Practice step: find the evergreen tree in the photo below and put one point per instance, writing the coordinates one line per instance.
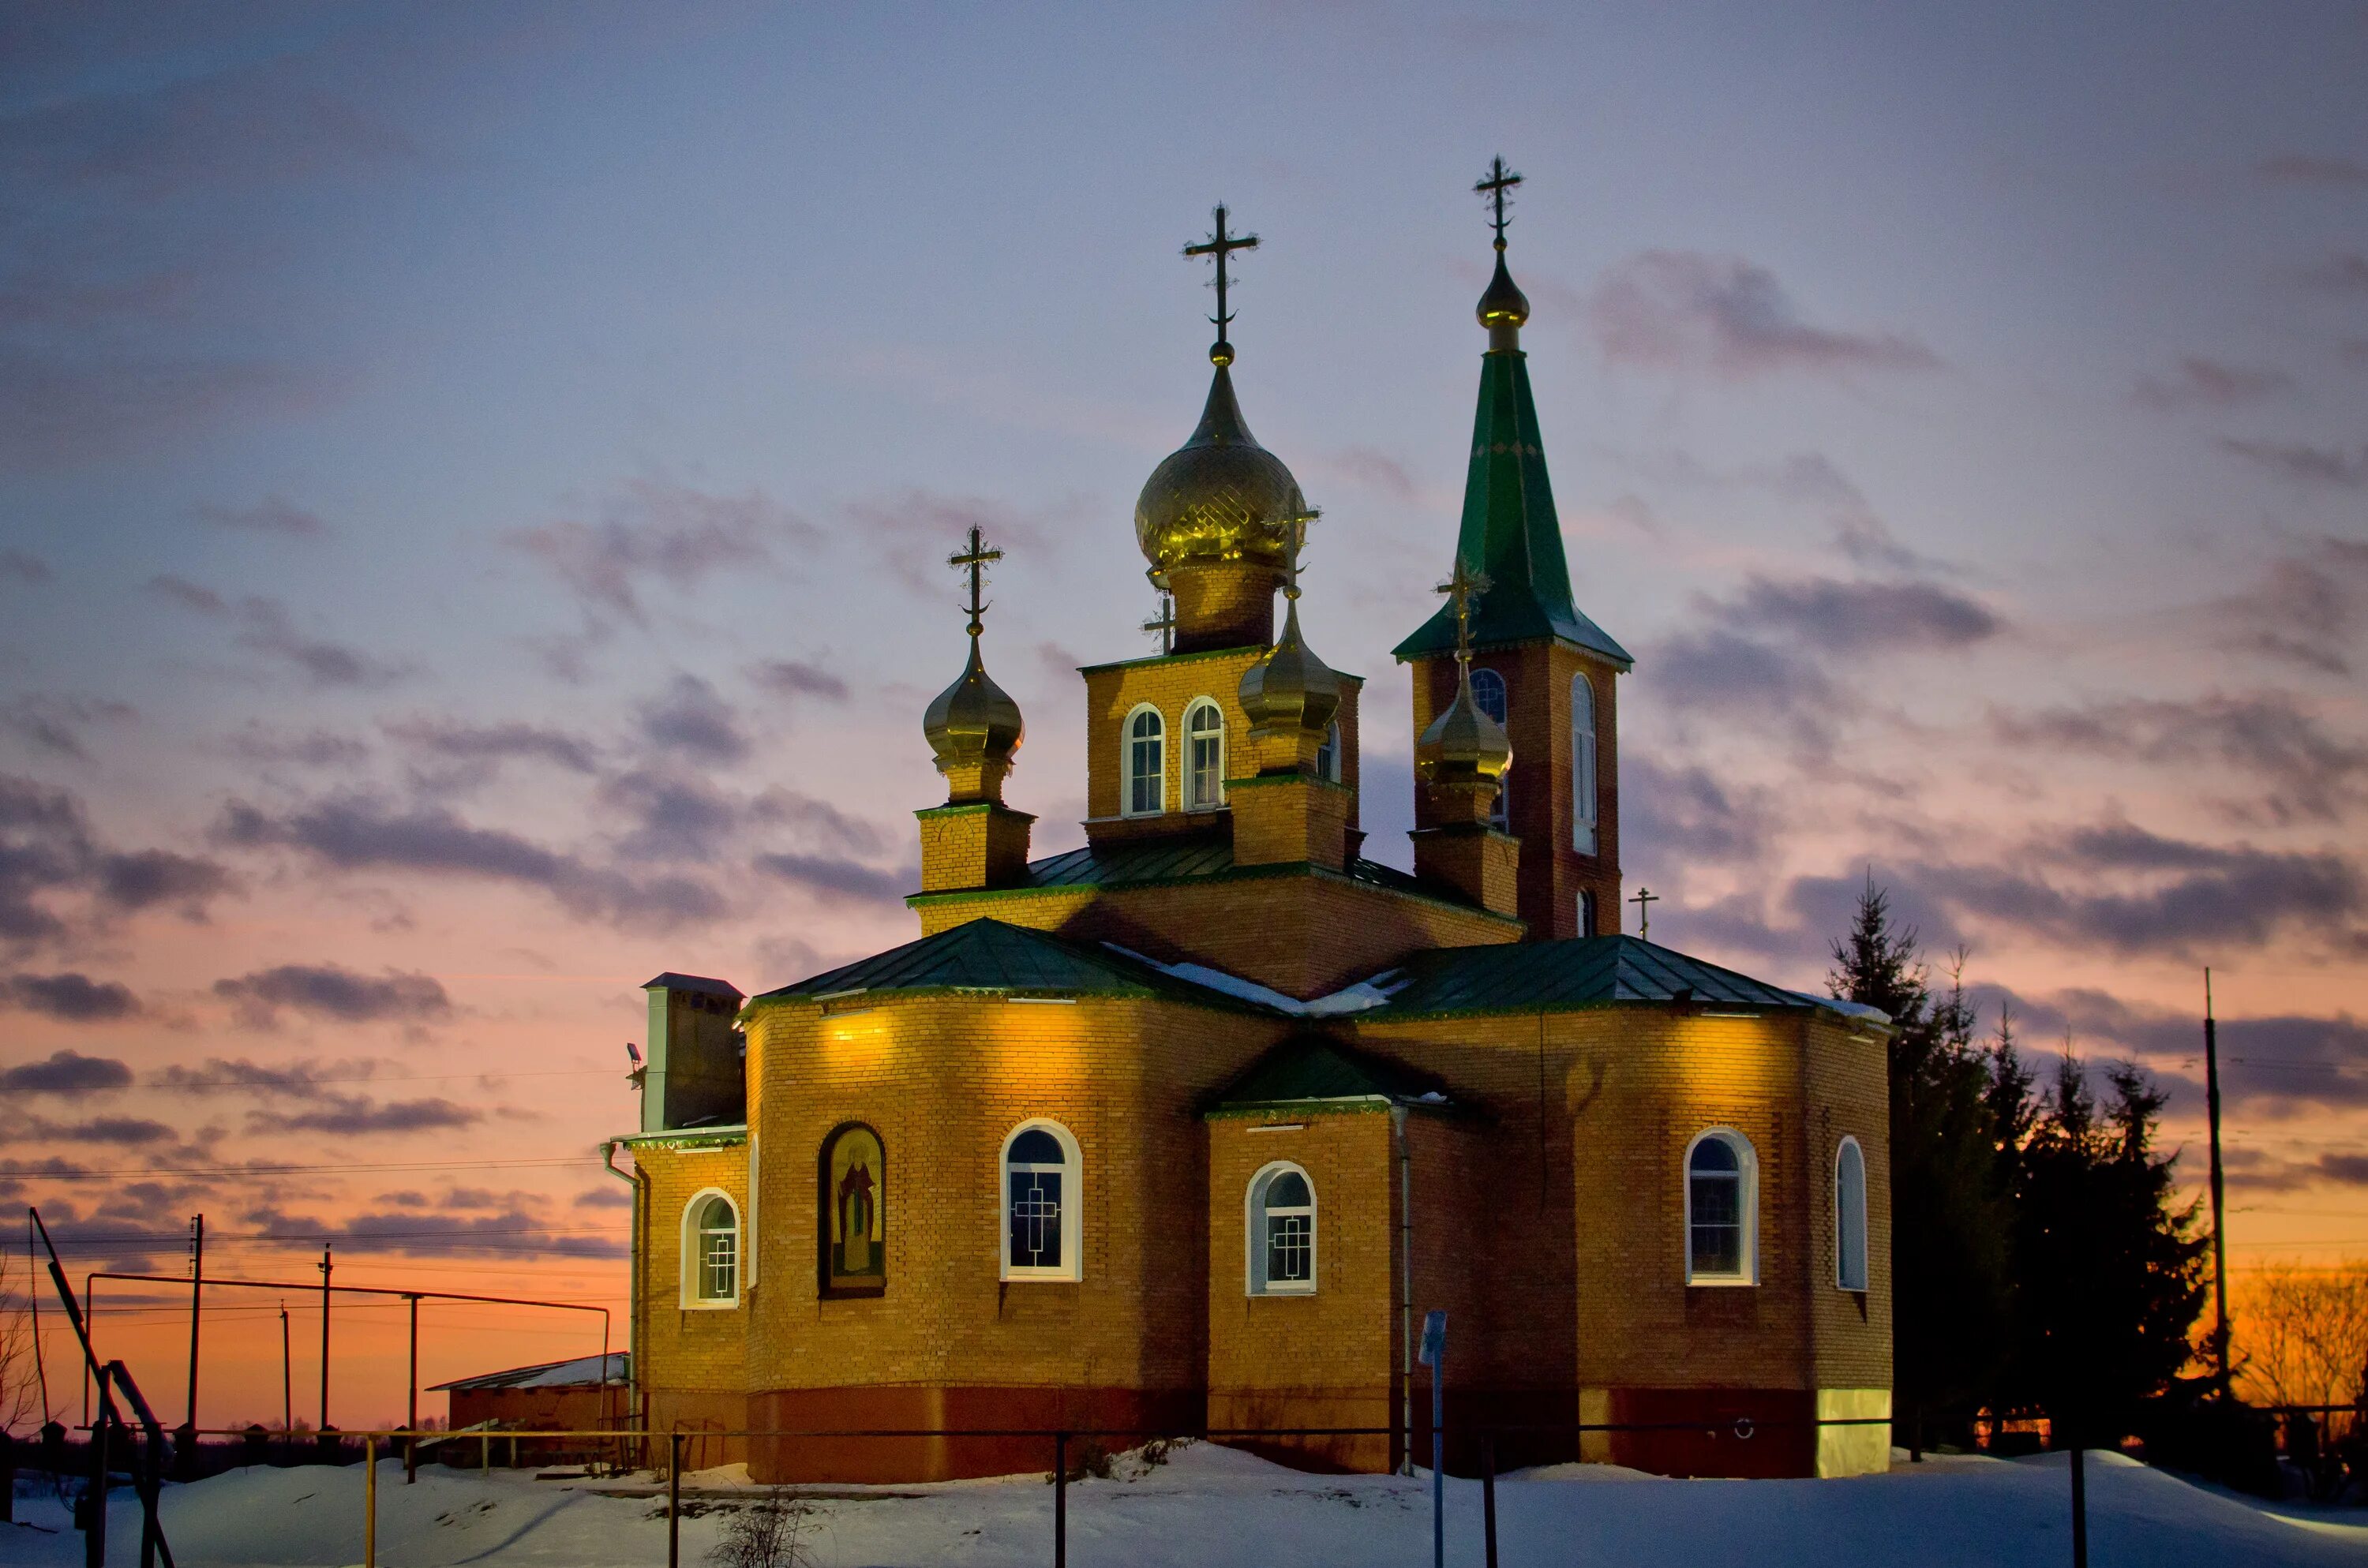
(2109, 1268)
(1952, 1226)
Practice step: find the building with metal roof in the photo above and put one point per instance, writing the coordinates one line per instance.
(1184, 1128)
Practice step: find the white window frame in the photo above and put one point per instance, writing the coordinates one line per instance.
(1254, 1214)
(1846, 1222)
(1500, 816)
(1746, 1159)
(1073, 1192)
(694, 1253)
(1328, 755)
(1585, 789)
(1191, 769)
(1126, 769)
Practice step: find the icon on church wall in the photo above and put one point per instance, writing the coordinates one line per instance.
(854, 1209)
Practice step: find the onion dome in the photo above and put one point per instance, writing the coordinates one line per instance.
(1290, 688)
(974, 729)
(1463, 745)
(1504, 304)
(1220, 496)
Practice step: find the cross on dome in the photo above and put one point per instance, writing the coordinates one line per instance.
(1463, 586)
(1222, 243)
(1499, 181)
(975, 561)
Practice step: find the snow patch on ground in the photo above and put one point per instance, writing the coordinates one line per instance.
(1210, 1506)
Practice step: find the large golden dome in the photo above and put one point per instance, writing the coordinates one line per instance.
(1220, 496)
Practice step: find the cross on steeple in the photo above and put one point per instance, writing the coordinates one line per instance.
(1222, 244)
(1500, 180)
(975, 561)
(1644, 900)
(1298, 526)
(1463, 586)
(1163, 625)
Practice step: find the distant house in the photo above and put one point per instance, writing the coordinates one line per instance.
(583, 1396)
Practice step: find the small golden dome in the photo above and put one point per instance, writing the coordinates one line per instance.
(1290, 688)
(973, 722)
(1463, 745)
(1504, 304)
(1220, 496)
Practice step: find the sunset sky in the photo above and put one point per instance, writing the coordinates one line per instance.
(474, 485)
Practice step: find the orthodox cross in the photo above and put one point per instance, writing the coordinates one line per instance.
(1298, 528)
(1644, 901)
(1222, 244)
(1500, 180)
(975, 561)
(1461, 588)
(1163, 625)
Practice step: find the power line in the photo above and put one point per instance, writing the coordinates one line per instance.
(22, 1172)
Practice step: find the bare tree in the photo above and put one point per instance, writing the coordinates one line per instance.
(20, 1400)
(2303, 1333)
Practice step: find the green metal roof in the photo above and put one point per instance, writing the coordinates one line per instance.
(1176, 859)
(1510, 531)
(1307, 1069)
(1583, 972)
(990, 956)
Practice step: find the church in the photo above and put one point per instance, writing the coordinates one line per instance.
(1187, 1130)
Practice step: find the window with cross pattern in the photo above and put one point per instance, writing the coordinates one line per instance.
(1040, 1203)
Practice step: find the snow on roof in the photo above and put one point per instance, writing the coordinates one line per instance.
(1354, 999)
(584, 1371)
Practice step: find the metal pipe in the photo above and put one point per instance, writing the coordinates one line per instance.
(1488, 1494)
(286, 1379)
(674, 1500)
(633, 1178)
(196, 1289)
(2219, 1234)
(411, 1444)
(326, 1263)
(369, 1501)
(1060, 1500)
(1405, 1288)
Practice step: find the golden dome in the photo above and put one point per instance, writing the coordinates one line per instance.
(1504, 304)
(1220, 496)
(1290, 688)
(973, 728)
(1463, 745)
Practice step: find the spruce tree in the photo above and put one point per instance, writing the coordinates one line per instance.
(1952, 1227)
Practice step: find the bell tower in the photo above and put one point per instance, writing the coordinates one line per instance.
(1550, 670)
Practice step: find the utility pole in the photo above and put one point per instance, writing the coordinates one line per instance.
(411, 1444)
(286, 1379)
(2219, 1235)
(326, 1263)
(196, 1288)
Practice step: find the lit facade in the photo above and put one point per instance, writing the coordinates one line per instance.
(1188, 1127)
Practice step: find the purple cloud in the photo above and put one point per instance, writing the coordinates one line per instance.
(654, 529)
(69, 1075)
(2198, 382)
(2305, 464)
(274, 515)
(794, 678)
(1671, 310)
(331, 990)
(69, 997)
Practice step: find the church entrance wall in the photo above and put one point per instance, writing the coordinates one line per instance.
(1019, 1413)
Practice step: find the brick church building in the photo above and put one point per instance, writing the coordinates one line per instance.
(1188, 1128)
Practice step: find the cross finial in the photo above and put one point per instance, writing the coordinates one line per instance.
(1221, 244)
(975, 561)
(1500, 180)
(1644, 900)
(1163, 625)
(1463, 586)
(1297, 528)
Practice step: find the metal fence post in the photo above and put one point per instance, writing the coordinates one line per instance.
(2079, 1508)
(370, 1500)
(1488, 1493)
(1060, 1500)
(95, 1499)
(674, 1500)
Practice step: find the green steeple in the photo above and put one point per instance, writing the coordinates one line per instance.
(1509, 531)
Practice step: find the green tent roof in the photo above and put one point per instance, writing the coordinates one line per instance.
(1582, 971)
(990, 956)
(1307, 1069)
(1510, 531)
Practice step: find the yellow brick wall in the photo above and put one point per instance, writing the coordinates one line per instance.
(943, 1080)
(692, 1361)
(1114, 691)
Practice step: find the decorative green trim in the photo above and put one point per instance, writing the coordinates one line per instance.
(685, 1137)
(1203, 654)
(1268, 780)
(971, 808)
(1238, 873)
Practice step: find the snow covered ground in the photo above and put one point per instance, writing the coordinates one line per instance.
(1212, 1507)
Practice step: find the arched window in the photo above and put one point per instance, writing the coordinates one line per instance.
(1488, 691)
(1147, 763)
(1328, 755)
(1721, 1205)
(1583, 804)
(1587, 912)
(1849, 1216)
(1282, 1233)
(1204, 740)
(854, 1212)
(1042, 1195)
(711, 1251)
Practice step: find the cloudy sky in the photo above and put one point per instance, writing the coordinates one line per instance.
(473, 484)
